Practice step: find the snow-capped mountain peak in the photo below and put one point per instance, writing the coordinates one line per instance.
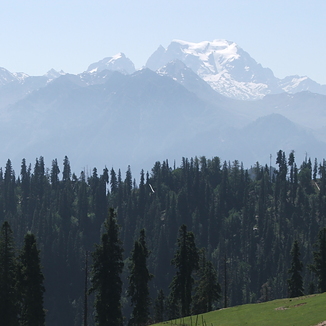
(221, 63)
(226, 50)
(210, 55)
(5, 76)
(53, 74)
(228, 69)
(118, 62)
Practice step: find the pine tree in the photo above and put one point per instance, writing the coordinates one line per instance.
(138, 282)
(159, 307)
(9, 191)
(66, 173)
(113, 181)
(208, 290)
(8, 279)
(295, 283)
(25, 188)
(319, 266)
(54, 176)
(106, 270)
(186, 261)
(31, 286)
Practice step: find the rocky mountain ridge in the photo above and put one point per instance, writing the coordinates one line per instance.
(222, 64)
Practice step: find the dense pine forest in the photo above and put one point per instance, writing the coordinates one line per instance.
(257, 233)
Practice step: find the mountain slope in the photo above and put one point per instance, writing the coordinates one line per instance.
(178, 71)
(15, 86)
(304, 108)
(126, 120)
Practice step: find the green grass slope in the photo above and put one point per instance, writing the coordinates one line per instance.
(302, 311)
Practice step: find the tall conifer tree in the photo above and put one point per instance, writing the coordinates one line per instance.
(138, 282)
(159, 307)
(186, 261)
(31, 286)
(295, 283)
(106, 270)
(319, 266)
(8, 279)
(208, 290)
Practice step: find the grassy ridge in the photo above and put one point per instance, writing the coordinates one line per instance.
(302, 311)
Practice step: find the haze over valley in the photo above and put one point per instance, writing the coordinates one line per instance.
(190, 99)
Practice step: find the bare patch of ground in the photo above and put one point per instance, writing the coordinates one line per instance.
(300, 304)
(282, 308)
(293, 306)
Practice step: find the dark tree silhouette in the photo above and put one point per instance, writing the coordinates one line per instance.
(138, 282)
(106, 270)
(31, 286)
(186, 261)
(208, 290)
(295, 283)
(319, 266)
(8, 278)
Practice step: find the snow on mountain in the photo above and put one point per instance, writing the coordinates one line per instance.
(20, 79)
(179, 72)
(15, 86)
(20, 76)
(53, 74)
(7, 77)
(295, 84)
(118, 62)
(229, 70)
(222, 64)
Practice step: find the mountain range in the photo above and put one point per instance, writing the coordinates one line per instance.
(191, 99)
(230, 70)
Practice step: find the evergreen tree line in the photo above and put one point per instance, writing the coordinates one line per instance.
(247, 221)
(22, 289)
(107, 283)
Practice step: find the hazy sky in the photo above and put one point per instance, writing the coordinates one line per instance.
(36, 35)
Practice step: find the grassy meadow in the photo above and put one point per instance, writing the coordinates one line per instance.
(301, 311)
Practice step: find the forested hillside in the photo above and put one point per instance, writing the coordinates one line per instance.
(246, 220)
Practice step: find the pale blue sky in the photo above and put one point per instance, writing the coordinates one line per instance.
(287, 36)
